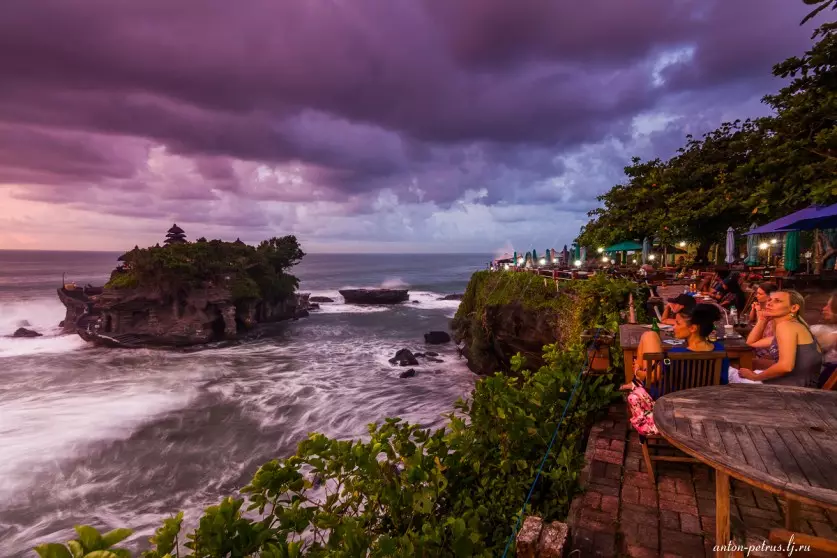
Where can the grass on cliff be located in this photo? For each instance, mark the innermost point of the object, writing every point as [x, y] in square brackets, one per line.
[571, 306]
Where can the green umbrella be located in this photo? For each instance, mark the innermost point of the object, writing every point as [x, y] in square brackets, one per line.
[534, 257]
[792, 251]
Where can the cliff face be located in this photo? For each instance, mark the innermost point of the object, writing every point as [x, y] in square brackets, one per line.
[505, 313]
[202, 316]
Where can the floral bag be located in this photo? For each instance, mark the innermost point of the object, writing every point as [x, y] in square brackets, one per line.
[642, 411]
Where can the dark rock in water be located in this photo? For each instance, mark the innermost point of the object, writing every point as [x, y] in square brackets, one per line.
[404, 357]
[61, 323]
[23, 332]
[301, 314]
[416, 302]
[437, 337]
[407, 373]
[320, 299]
[313, 306]
[431, 354]
[431, 359]
[418, 355]
[452, 297]
[375, 296]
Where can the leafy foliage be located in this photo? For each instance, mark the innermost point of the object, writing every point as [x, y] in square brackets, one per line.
[742, 172]
[410, 491]
[249, 272]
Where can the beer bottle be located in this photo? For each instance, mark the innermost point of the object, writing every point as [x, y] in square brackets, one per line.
[655, 326]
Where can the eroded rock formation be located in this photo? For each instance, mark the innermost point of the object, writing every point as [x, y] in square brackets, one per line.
[151, 317]
[375, 296]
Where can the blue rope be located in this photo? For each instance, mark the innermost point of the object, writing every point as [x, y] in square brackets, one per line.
[549, 447]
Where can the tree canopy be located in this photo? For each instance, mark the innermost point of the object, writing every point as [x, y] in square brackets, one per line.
[250, 272]
[740, 173]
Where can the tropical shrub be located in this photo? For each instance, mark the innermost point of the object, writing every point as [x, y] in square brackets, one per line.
[249, 272]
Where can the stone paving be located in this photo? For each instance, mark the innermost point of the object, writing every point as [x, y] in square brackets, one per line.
[621, 513]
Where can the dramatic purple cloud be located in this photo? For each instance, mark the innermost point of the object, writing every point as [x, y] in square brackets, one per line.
[363, 124]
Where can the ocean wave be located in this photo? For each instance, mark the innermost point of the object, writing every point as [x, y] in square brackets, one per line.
[43, 427]
[40, 314]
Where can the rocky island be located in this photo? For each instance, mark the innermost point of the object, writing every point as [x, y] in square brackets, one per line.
[188, 293]
[374, 296]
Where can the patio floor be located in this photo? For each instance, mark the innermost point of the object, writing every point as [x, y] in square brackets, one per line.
[622, 513]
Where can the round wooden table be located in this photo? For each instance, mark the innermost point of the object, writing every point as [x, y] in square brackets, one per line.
[779, 439]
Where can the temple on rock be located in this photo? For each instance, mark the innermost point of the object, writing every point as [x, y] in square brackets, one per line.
[175, 235]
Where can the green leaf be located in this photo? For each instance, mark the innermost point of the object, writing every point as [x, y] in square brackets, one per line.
[53, 550]
[76, 549]
[89, 537]
[115, 537]
[101, 554]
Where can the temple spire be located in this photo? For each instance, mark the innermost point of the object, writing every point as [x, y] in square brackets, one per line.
[175, 235]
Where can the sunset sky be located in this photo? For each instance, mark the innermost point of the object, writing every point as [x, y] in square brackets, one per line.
[358, 125]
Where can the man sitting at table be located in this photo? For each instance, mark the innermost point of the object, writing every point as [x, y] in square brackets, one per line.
[675, 305]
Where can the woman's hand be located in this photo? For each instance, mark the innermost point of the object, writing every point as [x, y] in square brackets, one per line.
[747, 374]
[759, 313]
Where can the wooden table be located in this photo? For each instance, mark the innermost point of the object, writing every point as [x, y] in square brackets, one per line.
[739, 351]
[779, 439]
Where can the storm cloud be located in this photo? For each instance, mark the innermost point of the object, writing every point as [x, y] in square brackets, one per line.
[367, 123]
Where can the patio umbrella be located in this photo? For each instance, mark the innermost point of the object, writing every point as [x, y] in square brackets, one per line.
[565, 254]
[624, 246]
[646, 248]
[815, 217]
[792, 251]
[514, 261]
[730, 245]
[752, 248]
[534, 257]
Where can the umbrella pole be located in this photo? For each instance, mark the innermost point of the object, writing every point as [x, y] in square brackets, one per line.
[817, 253]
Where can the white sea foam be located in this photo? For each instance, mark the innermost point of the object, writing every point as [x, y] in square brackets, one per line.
[40, 315]
[40, 428]
[431, 300]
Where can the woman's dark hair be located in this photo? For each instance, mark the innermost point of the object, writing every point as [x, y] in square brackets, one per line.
[702, 315]
[769, 288]
[723, 274]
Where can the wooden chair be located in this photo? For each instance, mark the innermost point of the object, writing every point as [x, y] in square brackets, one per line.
[831, 383]
[670, 372]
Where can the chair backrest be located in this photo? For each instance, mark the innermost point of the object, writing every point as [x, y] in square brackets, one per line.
[670, 372]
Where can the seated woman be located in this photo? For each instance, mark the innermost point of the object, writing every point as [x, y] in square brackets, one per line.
[799, 360]
[763, 357]
[716, 288]
[826, 335]
[731, 293]
[694, 326]
[675, 306]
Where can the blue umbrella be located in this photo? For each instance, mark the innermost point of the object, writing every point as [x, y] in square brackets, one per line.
[534, 257]
[730, 245]
[646, 248]
[752, 247]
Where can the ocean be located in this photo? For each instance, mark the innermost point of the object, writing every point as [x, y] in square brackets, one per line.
[125, 438]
